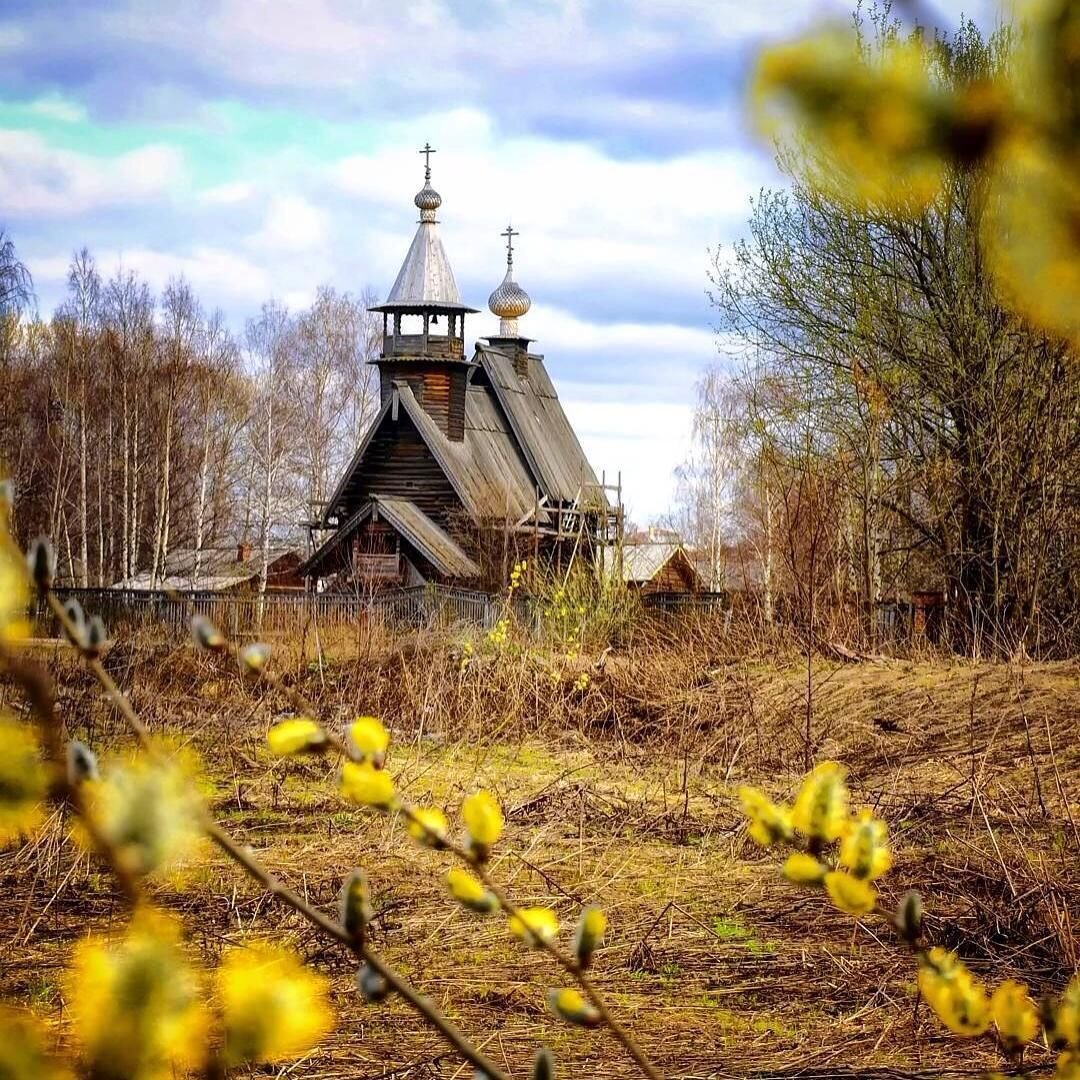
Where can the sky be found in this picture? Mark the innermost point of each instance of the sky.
(262, 148)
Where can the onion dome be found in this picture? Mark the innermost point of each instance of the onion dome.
(509, 301)
(427, 200)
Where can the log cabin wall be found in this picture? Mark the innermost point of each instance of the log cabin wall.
(399, 463)
(440, 392)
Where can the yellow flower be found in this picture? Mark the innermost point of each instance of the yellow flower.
(959, 1002)
(273, 1007)
(429, 826)
(22, 1049)
(14, 587)
(148, 812)
(135, 1003)
(23, 780)
(535, 924)
(364, 784)
(572, 1007)
(1068, 1066)
(863, 849)
(295, 736)
(589, 935)
(369, 738)
(803, 869)
(850, 894)
(874, 128)
(820, 810)
(483, 820)
(1031, 233)
(1014, 1015)
(769, 822)
(1063, 1020)
(469, 891)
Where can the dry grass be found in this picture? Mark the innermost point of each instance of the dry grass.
(622, 794)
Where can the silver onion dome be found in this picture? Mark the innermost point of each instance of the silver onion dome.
(427, 201)
(509, 301)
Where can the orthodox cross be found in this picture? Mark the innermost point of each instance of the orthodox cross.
(427, 152)
(510, 233)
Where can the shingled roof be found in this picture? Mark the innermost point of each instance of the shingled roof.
(485, 468)
(540, 426)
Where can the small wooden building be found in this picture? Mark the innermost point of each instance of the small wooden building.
(236, 568)
(471, 461)
(659, 566)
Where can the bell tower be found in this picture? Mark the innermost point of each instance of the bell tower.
(424, 322)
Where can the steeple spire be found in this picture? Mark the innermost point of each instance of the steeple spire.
(509, 301)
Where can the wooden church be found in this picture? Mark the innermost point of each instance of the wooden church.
(471, 462)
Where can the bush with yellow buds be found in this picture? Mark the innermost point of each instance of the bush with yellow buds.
(147, 811)
(1014, 1015)
(589, 935)
(23, 778)
(22, 1049)
(571, 1006)
(428, 825)
(468, 890)
(273, 1008)
(14, 588)
(534, 925)
(769, 823)
(136, 1005)
(483, 819)
(365, 785)
(880, 128)
(958, 1000)
(843, 854)
(298, 735)
(820, 812)
(368, 738)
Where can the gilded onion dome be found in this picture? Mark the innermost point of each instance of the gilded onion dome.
(509, 301)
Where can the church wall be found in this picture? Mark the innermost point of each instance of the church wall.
(399, 463)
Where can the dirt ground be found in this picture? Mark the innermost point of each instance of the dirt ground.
(718, 966)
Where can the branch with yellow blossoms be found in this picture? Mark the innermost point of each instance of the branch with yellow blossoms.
(881, 131)
(844, 855)
(144, 817)
(365, 781)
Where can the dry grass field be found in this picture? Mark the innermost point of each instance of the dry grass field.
(621, 793)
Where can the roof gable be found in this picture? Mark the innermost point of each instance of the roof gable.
(434, 543)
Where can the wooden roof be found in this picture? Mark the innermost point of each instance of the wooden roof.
(642, 562)
(540, 426)
(220, 569)
(432, 542)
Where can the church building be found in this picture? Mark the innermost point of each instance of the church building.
(471, 462)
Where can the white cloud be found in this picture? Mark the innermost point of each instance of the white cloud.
(228, 194)
(643, 441)
(588, 221)
(37, 178)
(291, 225)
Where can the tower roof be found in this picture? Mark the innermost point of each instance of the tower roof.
(425, 281)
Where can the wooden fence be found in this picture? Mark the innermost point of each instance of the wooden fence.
(242, 616)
